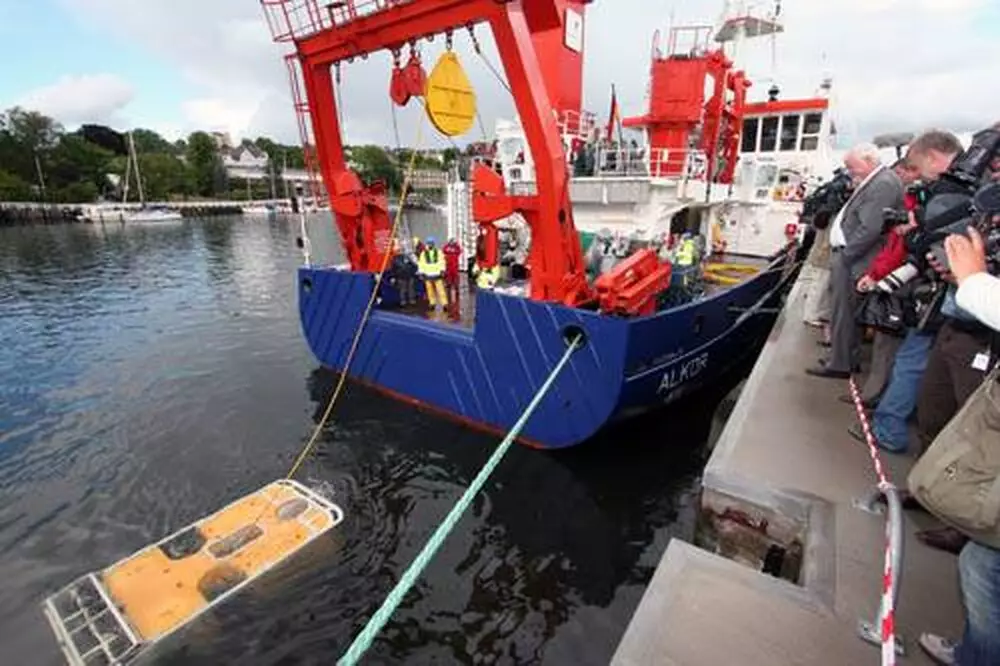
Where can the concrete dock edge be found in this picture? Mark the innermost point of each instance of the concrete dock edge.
(779, 496)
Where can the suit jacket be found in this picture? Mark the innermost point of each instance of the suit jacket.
(862, 221)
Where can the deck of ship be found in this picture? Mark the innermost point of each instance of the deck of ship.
(463, 313)
(785, 457)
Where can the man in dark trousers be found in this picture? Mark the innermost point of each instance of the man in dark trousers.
(855, 239)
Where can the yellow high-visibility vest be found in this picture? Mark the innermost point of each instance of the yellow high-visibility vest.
(430, 262)
(685, 253)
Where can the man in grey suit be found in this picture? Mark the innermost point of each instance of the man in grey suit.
(855, 239)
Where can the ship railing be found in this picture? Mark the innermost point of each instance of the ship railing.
(687, 164)
(693, 41)
(291, 20)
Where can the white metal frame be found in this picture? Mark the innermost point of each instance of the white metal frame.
(139, 645)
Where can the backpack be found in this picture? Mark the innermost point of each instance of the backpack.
(958, 477)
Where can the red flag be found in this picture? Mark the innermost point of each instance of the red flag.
(614, 118)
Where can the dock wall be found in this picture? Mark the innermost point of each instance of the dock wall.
(786, 564)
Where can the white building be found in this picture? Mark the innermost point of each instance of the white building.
(245, 161)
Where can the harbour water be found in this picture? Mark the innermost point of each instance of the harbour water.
(151, 374)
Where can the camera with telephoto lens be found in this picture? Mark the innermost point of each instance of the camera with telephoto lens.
(893, 217)
(962, 197)
(819, 208)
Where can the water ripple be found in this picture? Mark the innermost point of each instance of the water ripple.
(150, 375)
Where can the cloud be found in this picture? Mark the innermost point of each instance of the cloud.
(896, 64)
(87, 98)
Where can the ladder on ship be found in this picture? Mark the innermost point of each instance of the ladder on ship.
(459, 213)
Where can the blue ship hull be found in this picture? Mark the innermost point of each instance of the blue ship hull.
(486, 375)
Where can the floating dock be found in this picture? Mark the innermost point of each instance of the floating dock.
(115, 615)
(780, 494)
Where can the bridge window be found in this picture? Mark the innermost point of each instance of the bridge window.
(789, 132)
(769, 134)
(749, 141)
(811, 129)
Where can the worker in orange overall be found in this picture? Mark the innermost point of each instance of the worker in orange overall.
(430, 264)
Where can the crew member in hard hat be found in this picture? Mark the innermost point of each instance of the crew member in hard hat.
(430, 263)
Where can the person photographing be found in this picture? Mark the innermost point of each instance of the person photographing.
(960, 475)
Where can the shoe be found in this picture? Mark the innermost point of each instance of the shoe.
(867, 404)
(947, 539)
(941, 650)
(858, 433)
(827, 373)
(908, 501)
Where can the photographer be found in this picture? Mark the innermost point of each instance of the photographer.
(818, 210)
(978, 291)
(979, 562)
(930, 154)
(890, 257)
(957, 361)
(854, 242)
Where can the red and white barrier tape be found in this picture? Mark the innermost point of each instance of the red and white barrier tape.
(887, 613)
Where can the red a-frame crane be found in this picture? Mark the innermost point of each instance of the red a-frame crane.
(540, 46)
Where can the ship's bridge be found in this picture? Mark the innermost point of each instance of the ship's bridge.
(791, 135)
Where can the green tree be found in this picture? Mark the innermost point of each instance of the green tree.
(276, 153)
(26, 137)
(81, 191)
(205, 164)
(105, 137)
(13, 187)
(296, 157)
(373, 163)
(448, 157)
(77, 168)
(148, 141)
(165, 176)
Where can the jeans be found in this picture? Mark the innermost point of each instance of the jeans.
(900, 397)
(979, 573)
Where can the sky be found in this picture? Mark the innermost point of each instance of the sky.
(180, 65)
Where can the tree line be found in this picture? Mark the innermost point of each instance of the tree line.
(41, 161)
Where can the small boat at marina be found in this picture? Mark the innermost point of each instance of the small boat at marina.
(654, 327)
(145, 213)
(151, 214)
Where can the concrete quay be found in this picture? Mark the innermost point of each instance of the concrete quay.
(779, 493)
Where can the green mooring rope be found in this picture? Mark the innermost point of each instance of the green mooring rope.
(391, 603)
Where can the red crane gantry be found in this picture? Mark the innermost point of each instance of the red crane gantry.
(543, 68)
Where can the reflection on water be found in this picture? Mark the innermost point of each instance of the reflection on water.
(150, 375)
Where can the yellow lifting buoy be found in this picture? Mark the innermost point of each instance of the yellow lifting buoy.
(451, 101)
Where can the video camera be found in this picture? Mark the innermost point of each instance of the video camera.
(962, 197)
(819, 208)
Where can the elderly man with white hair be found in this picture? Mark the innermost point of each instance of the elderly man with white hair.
(855, 239)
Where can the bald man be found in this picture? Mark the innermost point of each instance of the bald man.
(855, 239)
